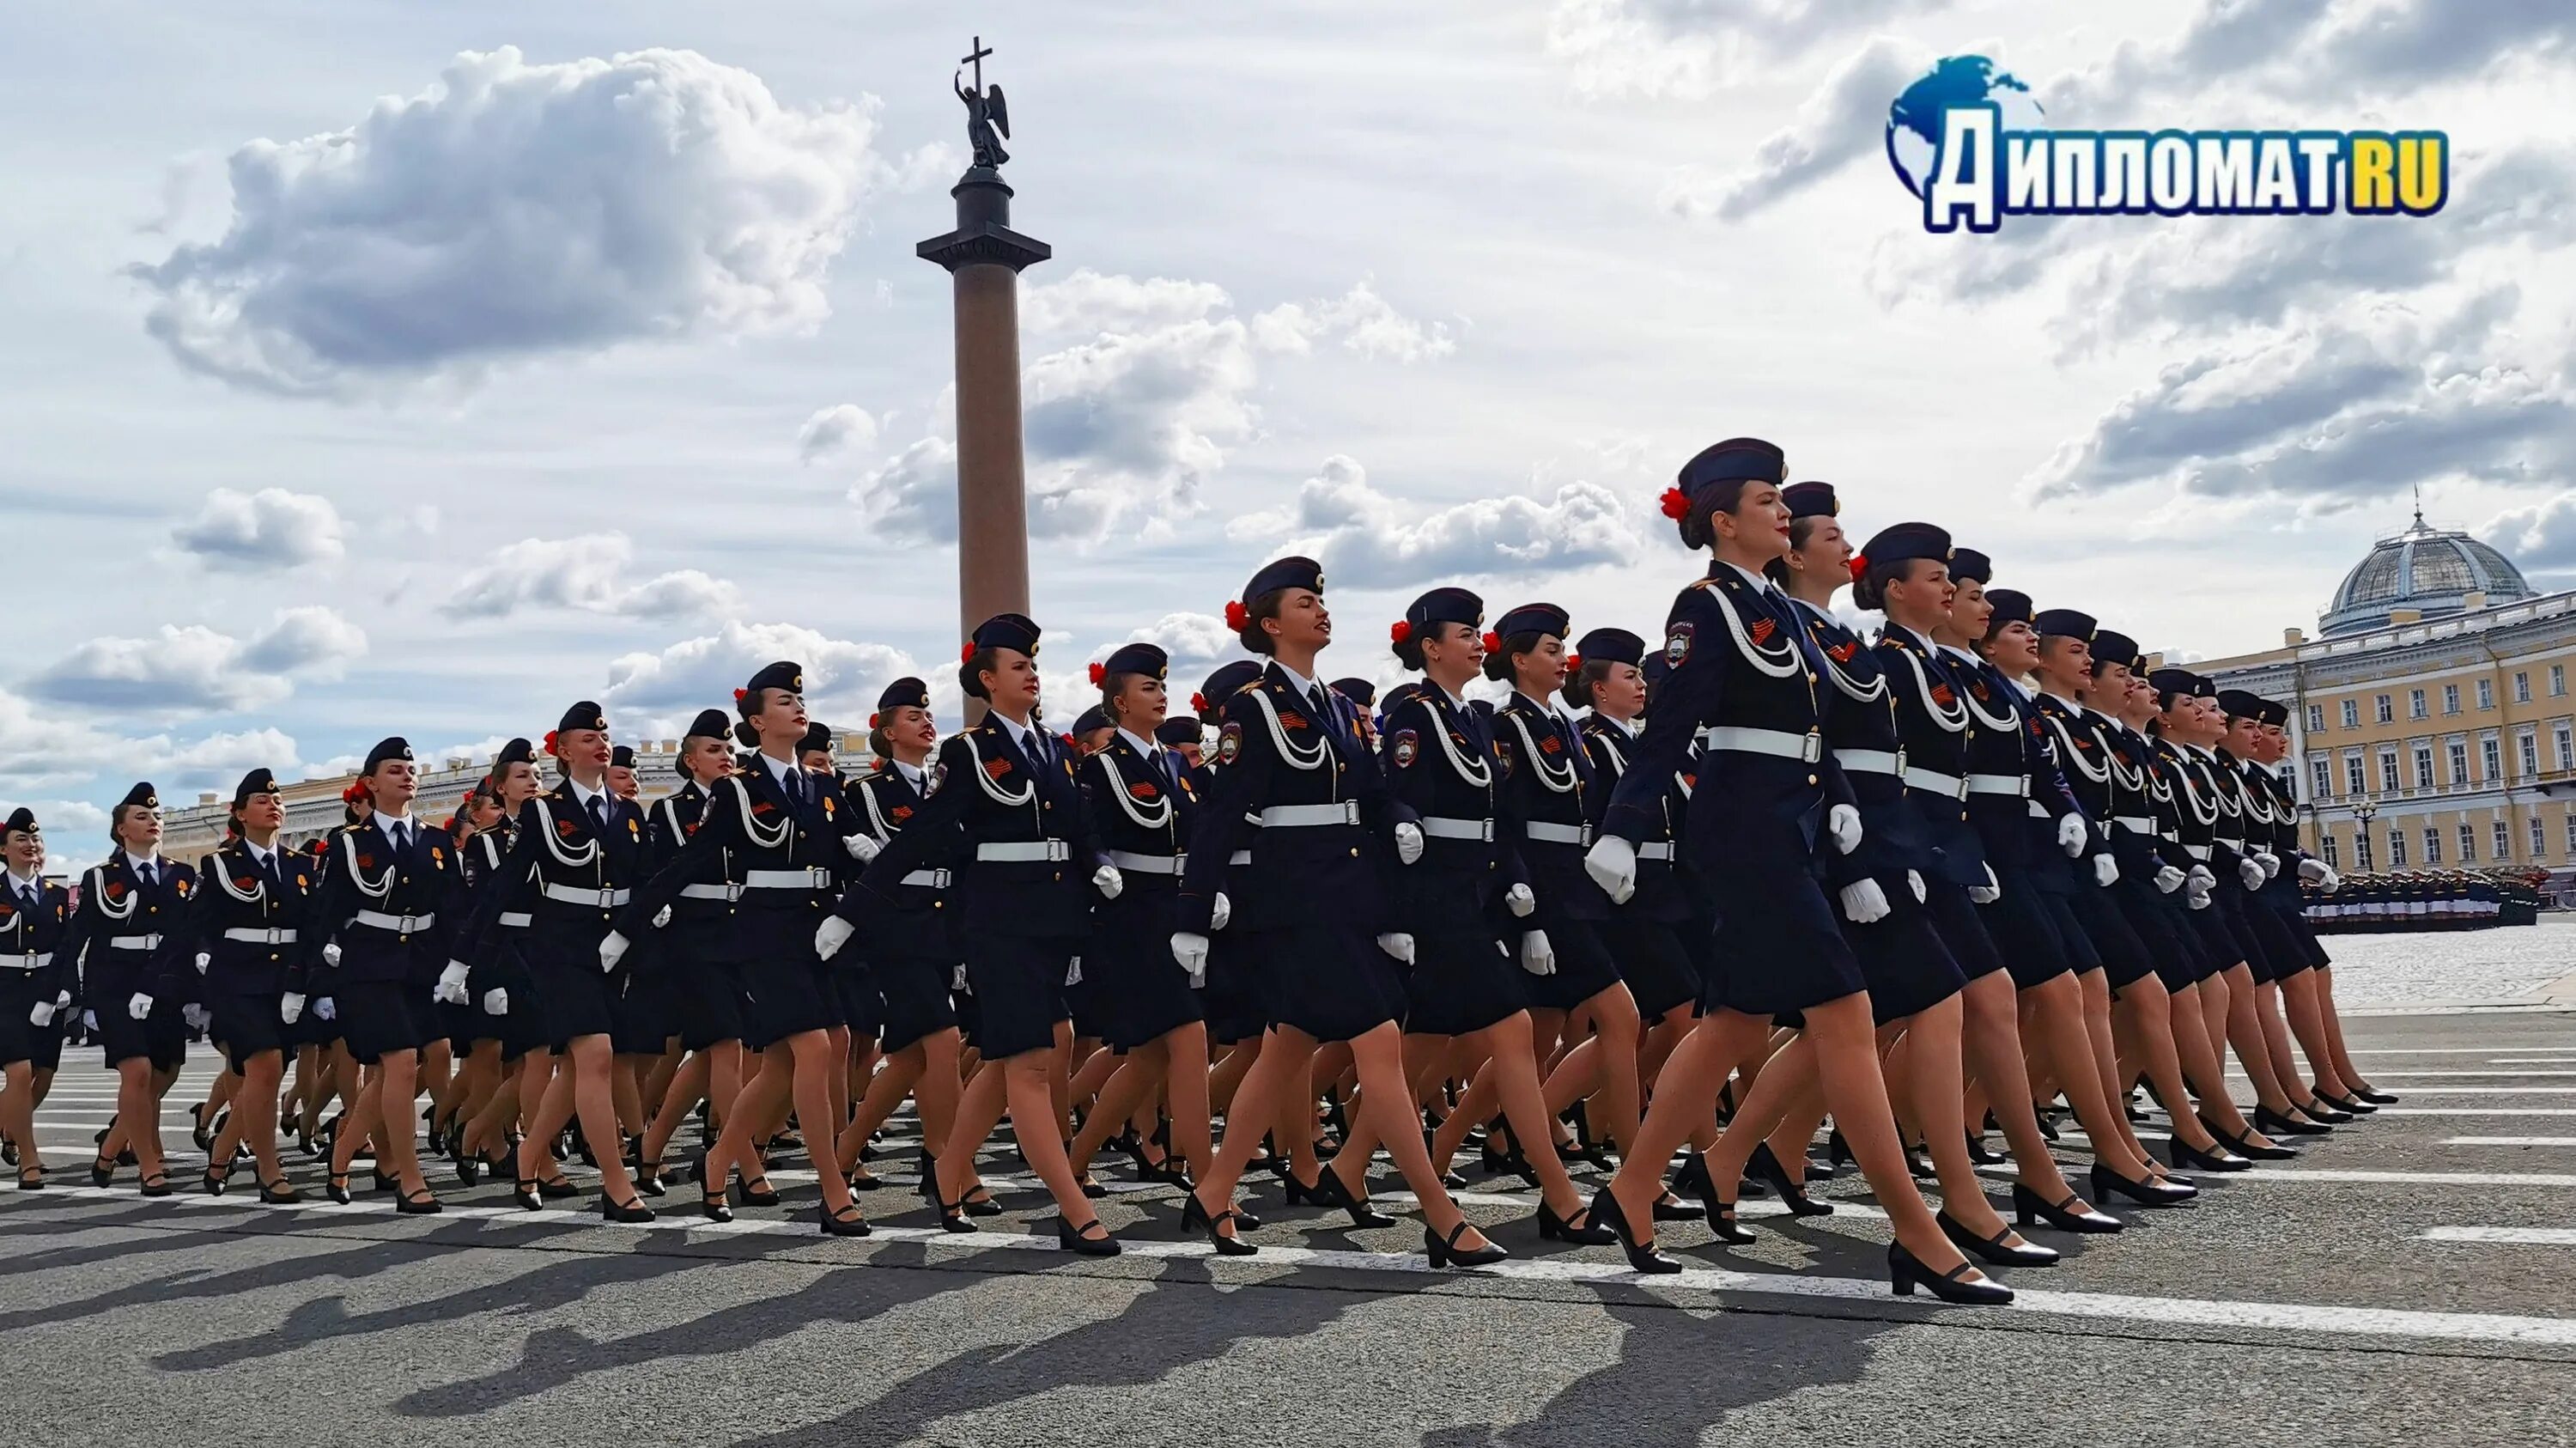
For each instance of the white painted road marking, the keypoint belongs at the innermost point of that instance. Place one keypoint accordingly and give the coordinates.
(2509, 1141)
(2503, 1236)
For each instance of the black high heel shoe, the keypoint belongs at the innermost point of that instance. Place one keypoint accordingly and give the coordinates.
(952, 1215)
(2375, 1098)
(525, 1194)
(1553, 1228)
(2316, 1109)
(2029, 1207)
(747, 1193)
(1445, 1251)
(336, 1187)
(2148, 1192)
(2185, 1156)
(1692, 1180)
(1642, 1256)
(1075, 1240)
(714, 1203)
(1980, 1155)
(836, 1225)
(1766, 1164)
(1722, 1223)
(217, 1178)
(648, 1178)
(1507, 1163)
(2348, 1105)
(559, 1187)
(2273, 1123)
(383, 1182)
(1905, 1272)
(1329, 1192)
(419, 1204)
(279, 1193)
(632, 1210)
(101, 1172)
(155, 1185)
(2246, 1147)
(1995, 1249)
(1196, 1217)
(1449, 1177)
(1670, 1208)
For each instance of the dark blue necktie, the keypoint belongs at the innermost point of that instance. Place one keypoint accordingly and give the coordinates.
(599, 813)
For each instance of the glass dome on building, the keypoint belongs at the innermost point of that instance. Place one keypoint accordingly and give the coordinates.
(2428, 571)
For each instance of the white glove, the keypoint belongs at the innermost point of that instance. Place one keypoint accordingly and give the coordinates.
(2070, 835)
(2106, 871)
(1914, 882)
(1864, 902)
(2271, 864)
(89, 1022)
(496, 1002)
(661, 917)
(1612, 864)
(140, 1007)
(2331, 883)
(1073, 971)
(957, 980)
(1520, 901)
(2202, 882)
(451, 984)
(325, 1010)
(2196, 900)
(612, 949)
(832, 934)
(1108, 882)
(1987, 893)
(197, 1017)
(862, 848)
(203, 960)
(1397, 944)
(330, 956)
(2250, 874)
(1221, 912)
(2169, 879)
(1408, 842)
(42, 1014)
(1190, 949)
(1537, 956)
(290, 1007)
(1843, 823)
(2313, 871)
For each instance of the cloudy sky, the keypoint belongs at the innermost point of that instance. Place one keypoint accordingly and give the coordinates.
(427, 369)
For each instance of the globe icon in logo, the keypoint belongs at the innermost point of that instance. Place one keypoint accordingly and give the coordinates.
(1914, 121)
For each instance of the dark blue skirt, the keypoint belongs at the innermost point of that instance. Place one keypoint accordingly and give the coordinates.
(1462, 981)
(1778, 946)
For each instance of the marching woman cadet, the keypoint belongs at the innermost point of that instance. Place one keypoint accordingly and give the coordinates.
(577, 853)
(641, 1012)
(34, 990)
(1143, 812)
(1769, 801)
(1235, 1020)
(390, 901)
(244, 932)
(1299, 813)
(703, 985)
(128, 924)
(1465, 895)
(507, 1029)
(910, 945)
(1546, 775)
(2283, 894)
(770, 849)
(1027, 869)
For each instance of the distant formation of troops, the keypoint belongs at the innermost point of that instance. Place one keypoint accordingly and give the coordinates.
(1672, 905)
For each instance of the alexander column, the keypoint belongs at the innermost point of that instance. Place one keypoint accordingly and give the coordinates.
(984, 256)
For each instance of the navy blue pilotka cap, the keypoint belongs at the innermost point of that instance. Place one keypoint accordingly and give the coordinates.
(1903, 542)
(1610, 646)
(1282, 573)
(584, 715)
(621, 757)
(1533, 618)
(258, 781)
(394, 748)
(1967, 565)
(2182, 684)
(1224, 684)
(1736, 459)
(818, 735)
(1439, 606)
(710, 724)
(520, 751)
(1089, 719)
(2065, 623)
(2011, 605)
(1012, 631)
(1184, 730)
(1811, 500)
(1358, 691)
(2115, 648)
(905, 693)
(2241, 704)
(1136, 658)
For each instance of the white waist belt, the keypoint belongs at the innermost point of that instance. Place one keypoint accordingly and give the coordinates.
(2197, 852)
(1655, 850)
(1777, 743)
(273, 935)
(1871, 761)
(2237, 845)
(1932, 781)
(26, 962)
(935, 879)
(1549, 834)
(1147, 864)
(1999, 784)
(578, 895)
(1239, 857)
(1448, 829)
(695, 892)
(2136, 824)
(521, 919)
(400, 924)
(812, 877)
(1025, 852)
(1304, 816)
(134, 942)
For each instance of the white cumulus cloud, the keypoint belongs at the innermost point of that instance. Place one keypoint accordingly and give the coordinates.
(833, 431)
(656, 694)
(263, 531)
(193, 669)
(1364, 537)
(588, 573)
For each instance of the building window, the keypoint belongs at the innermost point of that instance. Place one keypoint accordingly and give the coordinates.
(2571, 832)
(2423, 766)
(2316, 718)
(2557, 681)
(2386, 714)
(2492, 757)
(2529, 748)
(2352, 713)
(2566, 746)
(2361, 849)
(2486, 693)
(2333, 855)
(2539, 839)
(2432, 845)
(2397, 849)
(2352, 780)
(2522, 688)
(2388, 771)
(2503, 843)
(2414, 703)
(2468, 844)
(2324, 768)
(2459, 762)
(2450, 698)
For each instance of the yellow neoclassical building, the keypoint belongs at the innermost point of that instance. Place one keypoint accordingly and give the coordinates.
(2432, 719)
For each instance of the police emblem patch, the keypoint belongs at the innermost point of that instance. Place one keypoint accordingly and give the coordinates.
(1677, 643)
(1229, 743)
(1406, 748)
(1503, 750)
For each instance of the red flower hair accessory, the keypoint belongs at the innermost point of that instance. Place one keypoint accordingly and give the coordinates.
(1859, 566)
(1198, 702)
(1676, 504)
(1099, 672)
(967, 652)
(550, 741)
(1573, 663)
(1237, 617)
(1402, 631)
(741, 694)
(1493, 644)
(872, 721)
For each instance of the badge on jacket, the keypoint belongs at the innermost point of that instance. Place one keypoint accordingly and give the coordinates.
(1406, 748)
(1677, 643)
(1229, 743)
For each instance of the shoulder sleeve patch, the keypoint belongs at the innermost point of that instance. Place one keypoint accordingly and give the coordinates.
(1406, 747)
(1229, 742)
(1677, 643)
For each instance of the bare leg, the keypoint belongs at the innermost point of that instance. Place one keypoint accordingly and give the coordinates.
(1990, 1035)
